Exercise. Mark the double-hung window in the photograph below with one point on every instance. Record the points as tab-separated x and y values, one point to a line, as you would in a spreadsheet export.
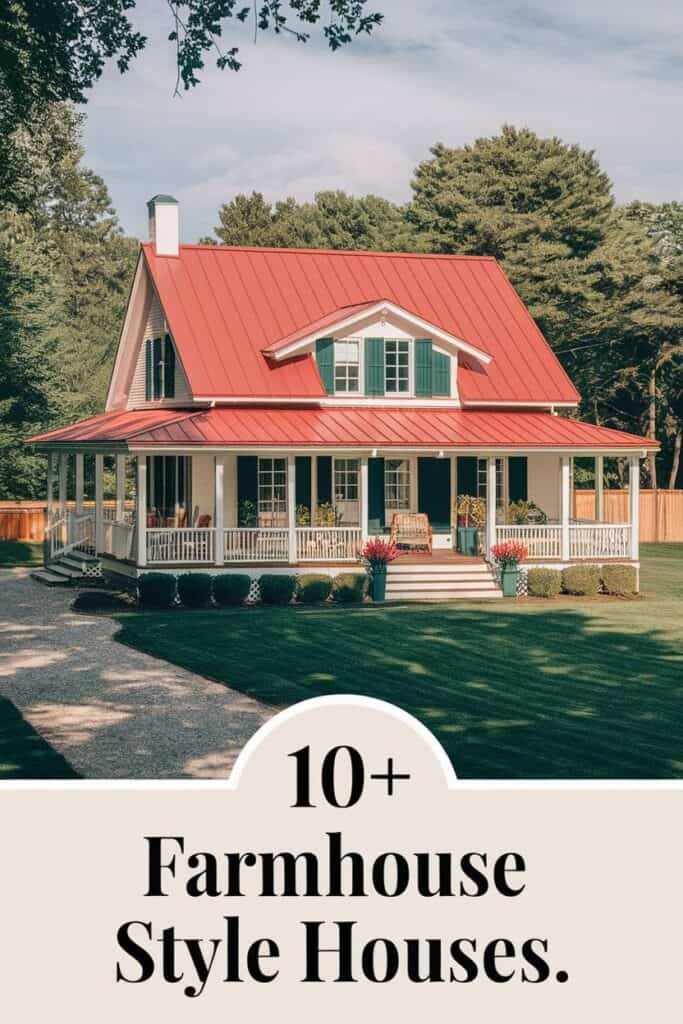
396	366
272	492
482	480
397	484
345	480
347	366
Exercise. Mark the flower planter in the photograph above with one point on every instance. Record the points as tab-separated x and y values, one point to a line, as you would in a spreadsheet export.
509	575
379	583
468	543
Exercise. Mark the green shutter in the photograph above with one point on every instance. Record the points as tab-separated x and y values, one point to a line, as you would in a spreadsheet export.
148	370
374	366
247	485
441	373
324	354
423	368
324	479
303	480
169	368
156	367
376	520
467	475
517	478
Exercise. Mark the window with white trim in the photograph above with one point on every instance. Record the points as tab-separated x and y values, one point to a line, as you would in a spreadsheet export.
482	480
272	492
347	366
397	484
396	366
346	480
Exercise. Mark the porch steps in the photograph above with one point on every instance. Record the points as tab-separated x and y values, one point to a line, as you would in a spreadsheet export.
65	570
441	582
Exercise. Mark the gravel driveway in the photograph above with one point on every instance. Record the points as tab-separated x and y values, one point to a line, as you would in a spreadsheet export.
110	711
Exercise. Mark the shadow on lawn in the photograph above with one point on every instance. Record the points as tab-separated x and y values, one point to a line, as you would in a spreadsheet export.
24	754
519	694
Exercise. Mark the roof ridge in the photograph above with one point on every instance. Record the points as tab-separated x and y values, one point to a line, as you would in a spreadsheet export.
331	252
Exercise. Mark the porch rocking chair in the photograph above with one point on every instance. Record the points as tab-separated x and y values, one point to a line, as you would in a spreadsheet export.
411	530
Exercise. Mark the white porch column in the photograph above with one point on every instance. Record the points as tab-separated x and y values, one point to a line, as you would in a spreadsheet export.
565	506
314	488
220	510
634	504
599	486
453	519
490	505
99	498
50	486
141	510
120	487
63	466
79	483
364	499
291	507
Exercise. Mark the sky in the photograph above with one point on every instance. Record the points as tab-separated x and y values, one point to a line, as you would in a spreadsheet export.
605	74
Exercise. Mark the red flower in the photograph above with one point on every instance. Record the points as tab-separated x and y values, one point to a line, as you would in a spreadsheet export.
510	553
376	552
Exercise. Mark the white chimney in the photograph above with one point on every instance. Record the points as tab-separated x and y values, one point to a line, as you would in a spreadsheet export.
163	224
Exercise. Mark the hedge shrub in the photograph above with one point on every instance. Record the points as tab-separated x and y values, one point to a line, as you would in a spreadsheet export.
581	579
231	589
544	582
156	590
312	588
276	589
194	589
349	587
621	580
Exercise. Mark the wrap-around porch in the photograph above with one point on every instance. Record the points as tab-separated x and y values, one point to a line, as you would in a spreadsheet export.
173	509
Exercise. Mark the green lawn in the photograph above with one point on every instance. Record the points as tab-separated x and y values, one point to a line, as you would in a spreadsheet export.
14	553
570	688
24	754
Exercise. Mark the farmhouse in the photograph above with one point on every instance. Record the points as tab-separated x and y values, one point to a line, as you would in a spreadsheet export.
275	407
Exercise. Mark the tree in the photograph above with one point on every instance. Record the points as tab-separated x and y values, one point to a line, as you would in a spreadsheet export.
57	51
334	220
604	284
65	269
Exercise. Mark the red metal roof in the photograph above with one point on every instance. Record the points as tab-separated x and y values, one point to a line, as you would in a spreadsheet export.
225	305
333	427
319	325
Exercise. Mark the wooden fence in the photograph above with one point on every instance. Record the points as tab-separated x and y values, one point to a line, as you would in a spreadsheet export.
661	512
27	520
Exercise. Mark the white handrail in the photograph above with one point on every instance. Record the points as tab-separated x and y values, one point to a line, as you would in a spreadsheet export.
189	544
600	540
542	541
327	543
256	544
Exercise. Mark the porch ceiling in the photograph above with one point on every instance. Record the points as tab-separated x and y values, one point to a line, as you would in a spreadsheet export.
340	428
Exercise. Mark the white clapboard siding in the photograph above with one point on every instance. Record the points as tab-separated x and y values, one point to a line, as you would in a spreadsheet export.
154	328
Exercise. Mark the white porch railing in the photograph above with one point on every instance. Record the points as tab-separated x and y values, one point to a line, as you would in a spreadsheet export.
191	545
256	544
117	538
541	541
68	529
600	540
327	544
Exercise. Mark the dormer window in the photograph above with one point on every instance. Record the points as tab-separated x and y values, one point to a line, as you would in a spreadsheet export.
347	366
159	369
396	367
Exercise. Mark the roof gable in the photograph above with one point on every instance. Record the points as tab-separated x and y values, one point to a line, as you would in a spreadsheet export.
226	305
350	317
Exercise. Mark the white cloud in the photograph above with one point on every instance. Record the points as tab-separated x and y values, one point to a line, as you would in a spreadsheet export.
297	118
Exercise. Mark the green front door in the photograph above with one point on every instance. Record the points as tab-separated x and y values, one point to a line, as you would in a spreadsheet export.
434	492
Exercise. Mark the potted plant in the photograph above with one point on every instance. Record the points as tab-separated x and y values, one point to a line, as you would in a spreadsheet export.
376	554
470	514
508	556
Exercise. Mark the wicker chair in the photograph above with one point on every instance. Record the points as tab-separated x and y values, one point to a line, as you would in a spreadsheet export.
411	530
